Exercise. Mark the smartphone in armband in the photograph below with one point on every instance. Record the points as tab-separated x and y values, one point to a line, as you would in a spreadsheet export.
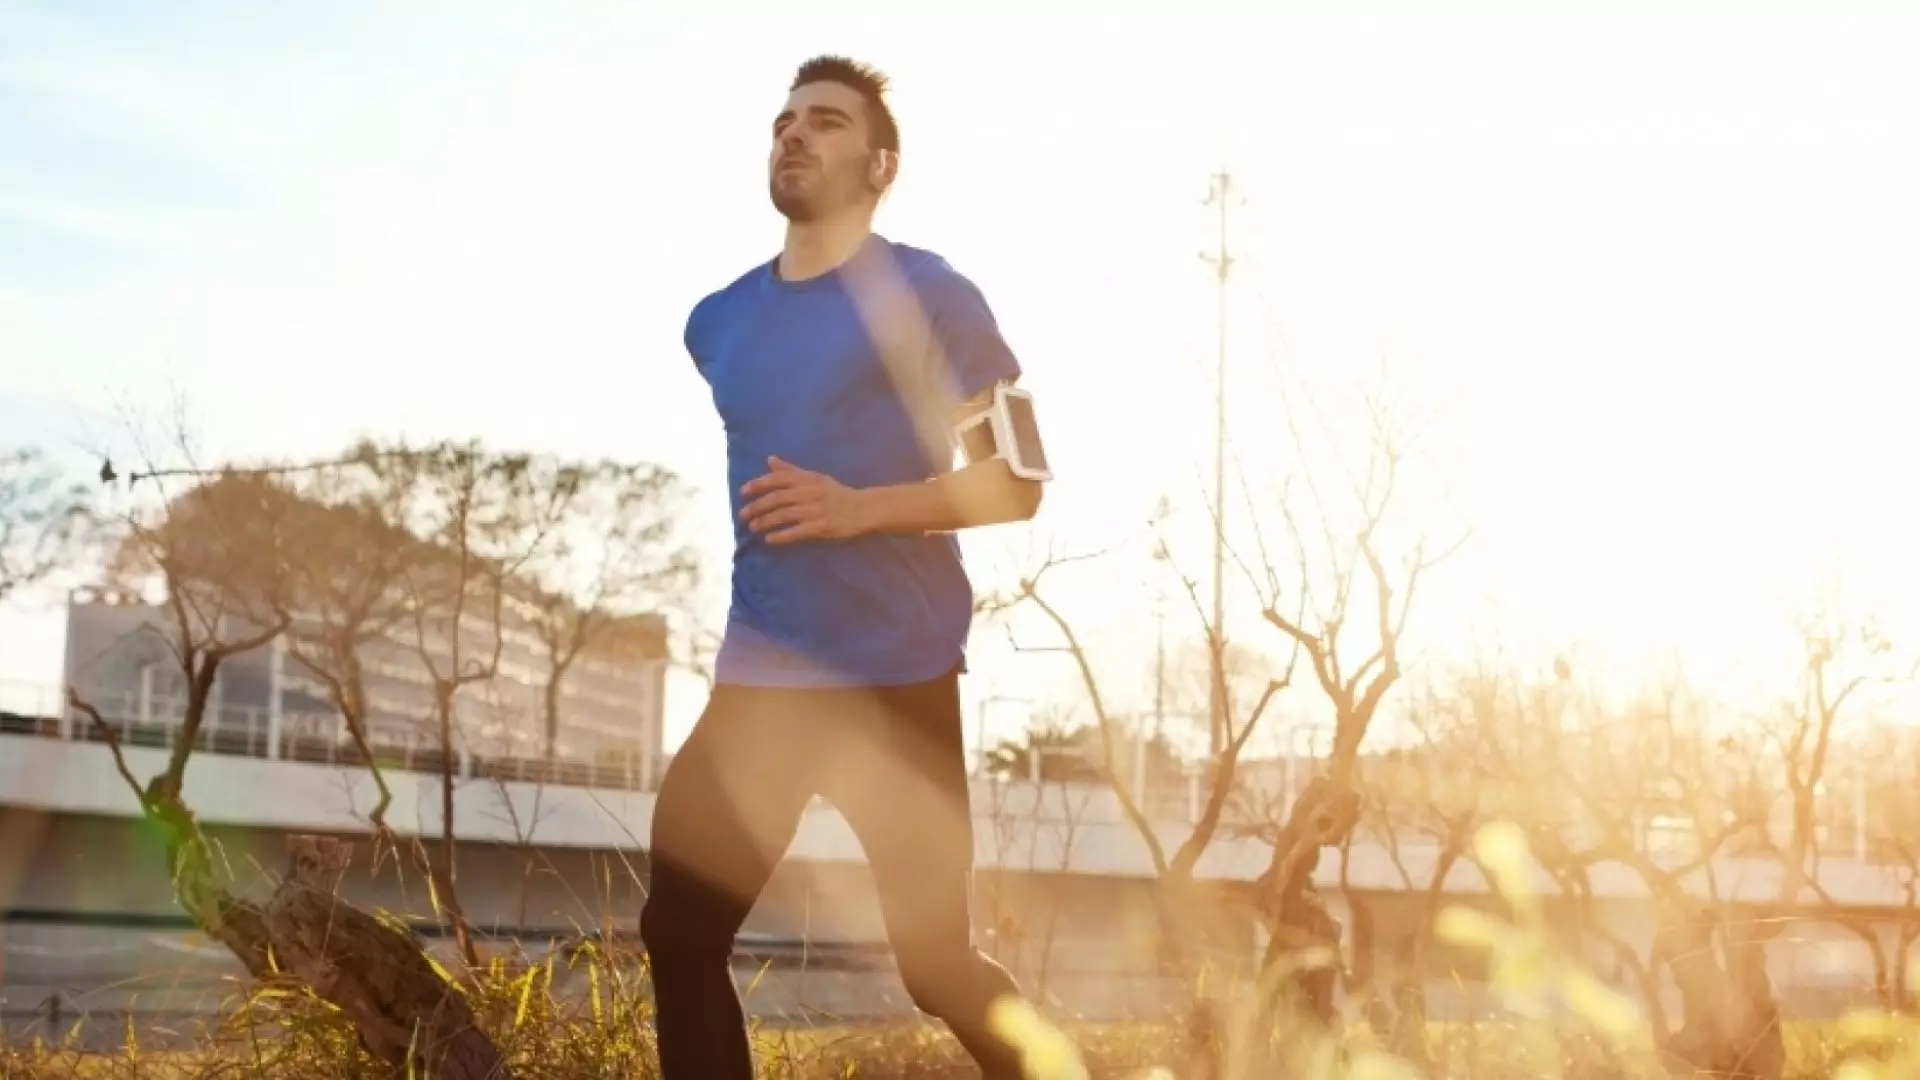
1006	428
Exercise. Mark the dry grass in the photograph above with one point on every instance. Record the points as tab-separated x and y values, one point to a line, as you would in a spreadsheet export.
300	1040
295	1037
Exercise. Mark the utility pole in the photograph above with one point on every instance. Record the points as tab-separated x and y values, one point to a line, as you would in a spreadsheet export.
1142	742
1160	556
1218	194
1159	665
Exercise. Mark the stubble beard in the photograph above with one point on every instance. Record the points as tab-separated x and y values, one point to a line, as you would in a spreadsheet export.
827	194
794	207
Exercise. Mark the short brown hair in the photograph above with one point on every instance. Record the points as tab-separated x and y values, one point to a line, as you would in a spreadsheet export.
862	79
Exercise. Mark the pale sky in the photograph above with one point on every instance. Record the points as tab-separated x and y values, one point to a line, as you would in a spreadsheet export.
1660	272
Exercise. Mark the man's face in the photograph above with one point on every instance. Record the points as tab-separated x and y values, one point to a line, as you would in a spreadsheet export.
821	157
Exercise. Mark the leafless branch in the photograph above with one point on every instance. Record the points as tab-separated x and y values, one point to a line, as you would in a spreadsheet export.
1090	683
44	521
110	737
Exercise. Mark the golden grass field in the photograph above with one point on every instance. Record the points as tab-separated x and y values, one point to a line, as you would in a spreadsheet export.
578	1047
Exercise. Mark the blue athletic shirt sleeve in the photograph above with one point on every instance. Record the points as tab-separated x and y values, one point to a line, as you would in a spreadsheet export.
976	354
693	337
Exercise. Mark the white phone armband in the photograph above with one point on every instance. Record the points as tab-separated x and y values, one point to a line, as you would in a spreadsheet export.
1005	428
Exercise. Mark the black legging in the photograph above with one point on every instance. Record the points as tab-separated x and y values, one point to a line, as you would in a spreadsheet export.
892	760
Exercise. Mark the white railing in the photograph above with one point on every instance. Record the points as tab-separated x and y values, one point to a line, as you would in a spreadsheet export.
146	719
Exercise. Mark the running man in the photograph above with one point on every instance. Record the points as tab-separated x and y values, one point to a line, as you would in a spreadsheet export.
842	370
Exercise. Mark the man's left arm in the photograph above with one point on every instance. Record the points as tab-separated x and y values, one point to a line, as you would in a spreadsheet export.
980	493
788	503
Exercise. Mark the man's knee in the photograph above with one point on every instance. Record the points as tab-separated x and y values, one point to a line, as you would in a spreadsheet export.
943	981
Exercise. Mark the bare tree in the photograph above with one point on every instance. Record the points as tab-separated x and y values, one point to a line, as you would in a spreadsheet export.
217	553
1492	746
1041	786
1893	832
1715	950
1659	761
1200	938
1060	807
1339	590
44	518
523	843
614	553
1436	792
393	552
1173	870
1845	661
1589	780
1357	567
484	517
346	602
1004	813
1020	771
212	554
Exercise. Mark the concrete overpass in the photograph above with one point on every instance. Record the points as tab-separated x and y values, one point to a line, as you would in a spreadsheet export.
547	854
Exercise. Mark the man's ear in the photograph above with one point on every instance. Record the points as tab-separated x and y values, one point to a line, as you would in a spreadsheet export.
882	170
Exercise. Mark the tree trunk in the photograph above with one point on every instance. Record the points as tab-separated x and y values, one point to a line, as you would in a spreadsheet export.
1902	990
407	1014
550	702
223	917
1321	818
378	977
1362	974
445	875
1730	1017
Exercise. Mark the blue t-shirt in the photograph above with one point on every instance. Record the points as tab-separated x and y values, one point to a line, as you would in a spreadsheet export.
796	373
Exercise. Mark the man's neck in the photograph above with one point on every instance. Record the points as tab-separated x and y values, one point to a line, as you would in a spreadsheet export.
818	247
